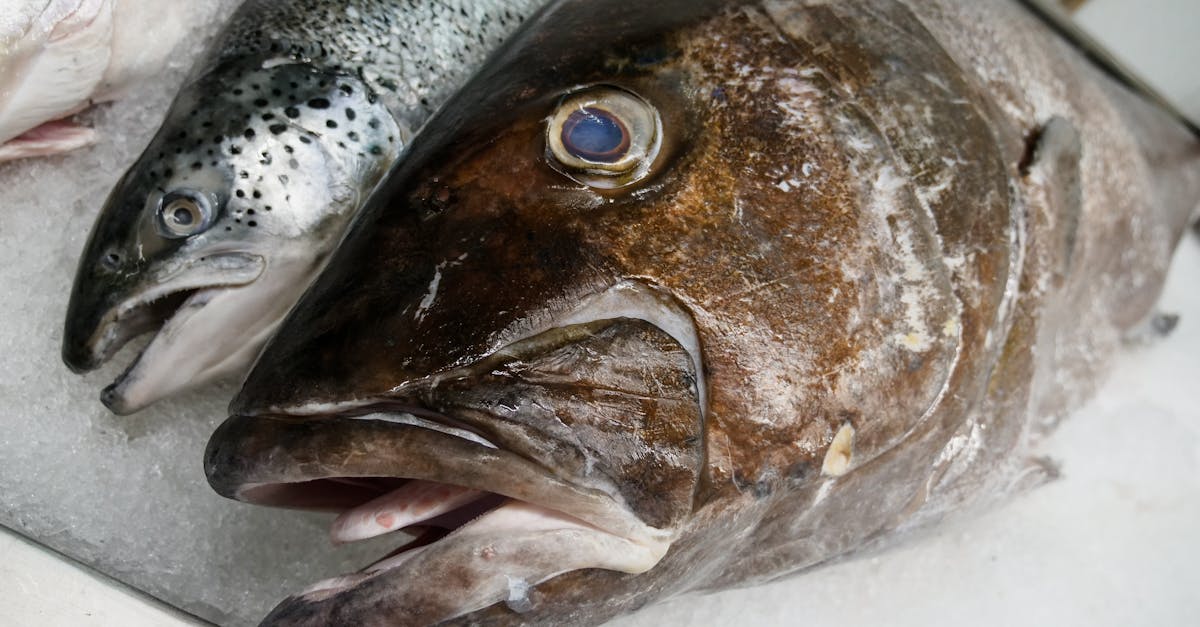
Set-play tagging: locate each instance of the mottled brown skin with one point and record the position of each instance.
(866, 227)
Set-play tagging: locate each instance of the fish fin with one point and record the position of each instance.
(47, 139)
(1054, 163)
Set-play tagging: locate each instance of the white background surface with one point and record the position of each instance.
(1113, 542)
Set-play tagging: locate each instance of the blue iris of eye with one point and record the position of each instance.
(595, 135)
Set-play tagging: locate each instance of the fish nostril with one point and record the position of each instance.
(111, 261)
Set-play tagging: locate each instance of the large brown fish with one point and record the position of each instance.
(688, 295)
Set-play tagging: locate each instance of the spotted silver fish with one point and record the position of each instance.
(728, 292)
(267, 151)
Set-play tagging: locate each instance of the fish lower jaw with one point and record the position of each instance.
(133, 390)
(495, 547)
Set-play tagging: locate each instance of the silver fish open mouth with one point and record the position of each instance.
(537, 460)
(176, 310)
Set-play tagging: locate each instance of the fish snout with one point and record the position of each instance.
(89, 331)
(81, 348)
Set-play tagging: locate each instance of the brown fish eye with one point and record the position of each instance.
(603, 136)
(183, 213)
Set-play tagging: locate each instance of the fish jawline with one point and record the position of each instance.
(130, 392)
(495, 555)
(215, 331)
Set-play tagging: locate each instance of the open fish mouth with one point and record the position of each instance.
(169, 311)
(577, 447)
(501, 525)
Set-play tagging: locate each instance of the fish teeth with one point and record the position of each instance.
(412, 503)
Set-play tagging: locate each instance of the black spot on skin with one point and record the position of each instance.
(256, 194)
(260, 102)
(267, 208)
(250, 212)
(346, 89)
(352, 135)
(197, 165)
(218, 139)
(267, 117)
(319, 103)
(305, 140)
(240, 194)
(238, 92)
(331, 124)
(252, 223)
(374, 123)
(276, 129)
(376, 150)
(292, 112)
(235, 150)
(289, 149)
(350, 114)
(248, 133)
(168, 173)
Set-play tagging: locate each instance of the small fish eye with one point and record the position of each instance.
(184, 213)
(603, 136)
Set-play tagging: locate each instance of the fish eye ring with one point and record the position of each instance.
(183, 213)
(603, 136)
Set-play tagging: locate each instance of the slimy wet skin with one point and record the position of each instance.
(735, 290)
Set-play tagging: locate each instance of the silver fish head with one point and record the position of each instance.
(222, 221)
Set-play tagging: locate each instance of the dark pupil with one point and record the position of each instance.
(595, 135)
(183, 216)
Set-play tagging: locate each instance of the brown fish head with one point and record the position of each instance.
(653, 288)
